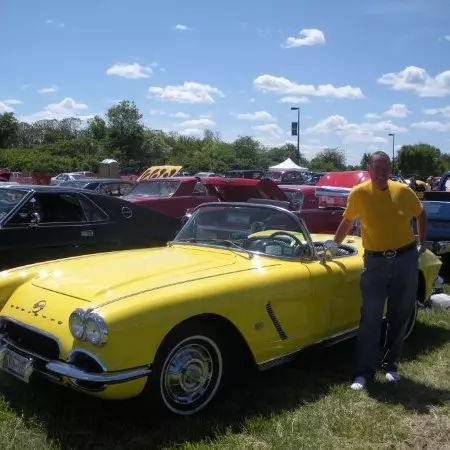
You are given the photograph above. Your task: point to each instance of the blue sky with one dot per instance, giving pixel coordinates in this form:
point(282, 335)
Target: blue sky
point(358, 69)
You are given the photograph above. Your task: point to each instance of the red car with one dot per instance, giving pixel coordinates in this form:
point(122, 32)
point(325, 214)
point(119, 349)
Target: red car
point(344, 179)
point(321, 212)
point(175, 195)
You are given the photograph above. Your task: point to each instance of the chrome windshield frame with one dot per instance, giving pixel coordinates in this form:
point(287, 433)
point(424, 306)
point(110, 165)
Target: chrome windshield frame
point(302, 228)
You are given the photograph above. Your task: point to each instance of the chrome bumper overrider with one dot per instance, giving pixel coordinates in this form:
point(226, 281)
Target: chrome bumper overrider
point(55, 370)
point(70, 371)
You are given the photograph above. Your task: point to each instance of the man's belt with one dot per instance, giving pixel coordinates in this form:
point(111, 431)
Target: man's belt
point(392, 253)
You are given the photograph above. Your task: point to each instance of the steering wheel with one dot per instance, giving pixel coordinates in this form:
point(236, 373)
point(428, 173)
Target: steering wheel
point(284, 233)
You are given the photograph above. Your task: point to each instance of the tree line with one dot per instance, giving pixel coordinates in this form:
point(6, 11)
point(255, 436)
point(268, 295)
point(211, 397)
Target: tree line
point(73, 144)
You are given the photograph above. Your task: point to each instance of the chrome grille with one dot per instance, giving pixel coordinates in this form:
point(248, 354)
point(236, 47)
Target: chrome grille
point(29, 339)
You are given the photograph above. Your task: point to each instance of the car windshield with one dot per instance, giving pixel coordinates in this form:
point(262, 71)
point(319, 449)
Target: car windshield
point(75, 184)
point(9, 198)
point(155, 188)
point(253, 229)
point(274, 175)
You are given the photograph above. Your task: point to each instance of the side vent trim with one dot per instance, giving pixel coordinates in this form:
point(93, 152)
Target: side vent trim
point(276, 323)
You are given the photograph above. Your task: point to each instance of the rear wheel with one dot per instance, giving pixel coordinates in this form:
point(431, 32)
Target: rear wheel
point(189, 371)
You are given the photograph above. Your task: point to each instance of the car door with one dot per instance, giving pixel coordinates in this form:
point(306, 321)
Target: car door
point(335, 284)
point(312, 301)
point(61, 231)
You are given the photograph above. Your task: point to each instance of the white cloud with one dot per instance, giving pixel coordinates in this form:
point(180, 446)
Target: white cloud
point(258, 115)
point(306, 37)
point(271, 128)
point(54, 23)
point(438, 111)
point(180, 115)
point(4, 108)
point(197, 123)
point(194, 132)
point(442, 127)
point(396, 110)
point(12, 102)
point(352, 132)
point(189, 92)
point(182, 27)
point(131, 71)
point(445, 38)
point(294, 100)
point(281, 85)
point(7, 105)
point(68, 107)
point(416, 79)
point(157, 112)
point(48, 90)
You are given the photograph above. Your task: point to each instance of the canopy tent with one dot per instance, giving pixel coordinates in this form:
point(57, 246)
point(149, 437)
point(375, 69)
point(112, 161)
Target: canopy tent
point(288, 165)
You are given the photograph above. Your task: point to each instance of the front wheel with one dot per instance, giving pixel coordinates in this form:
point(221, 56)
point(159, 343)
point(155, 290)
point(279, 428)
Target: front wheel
point(189, 371)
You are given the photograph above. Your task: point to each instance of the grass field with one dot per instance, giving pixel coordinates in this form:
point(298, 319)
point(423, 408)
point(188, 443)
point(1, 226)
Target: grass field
point(305, 404)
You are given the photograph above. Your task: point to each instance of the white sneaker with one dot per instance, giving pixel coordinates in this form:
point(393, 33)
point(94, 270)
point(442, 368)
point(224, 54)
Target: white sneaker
point(358, 383)
point(392, 377)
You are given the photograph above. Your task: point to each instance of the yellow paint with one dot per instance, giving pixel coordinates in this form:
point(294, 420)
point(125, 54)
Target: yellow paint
point(159, 172)
point(143, 294)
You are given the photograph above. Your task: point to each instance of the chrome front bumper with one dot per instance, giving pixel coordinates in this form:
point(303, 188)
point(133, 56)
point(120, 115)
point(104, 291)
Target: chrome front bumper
point(55, 370)
point(74, 373)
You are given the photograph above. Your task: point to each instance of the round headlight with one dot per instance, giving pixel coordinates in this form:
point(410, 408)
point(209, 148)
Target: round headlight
point(76, 324)
point(96, 330)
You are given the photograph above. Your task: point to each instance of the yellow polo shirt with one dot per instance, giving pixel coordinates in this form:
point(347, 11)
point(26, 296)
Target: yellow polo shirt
point(384, 216)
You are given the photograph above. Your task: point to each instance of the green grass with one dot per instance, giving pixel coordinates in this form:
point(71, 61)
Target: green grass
point(305, 404)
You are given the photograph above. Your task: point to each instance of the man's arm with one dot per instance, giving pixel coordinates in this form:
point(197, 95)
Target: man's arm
point(343, 229)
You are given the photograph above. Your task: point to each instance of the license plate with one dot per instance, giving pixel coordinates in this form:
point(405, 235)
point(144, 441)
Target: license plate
point(17, 365)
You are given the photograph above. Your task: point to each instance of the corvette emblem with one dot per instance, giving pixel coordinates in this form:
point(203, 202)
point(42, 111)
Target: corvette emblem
point(38, 306)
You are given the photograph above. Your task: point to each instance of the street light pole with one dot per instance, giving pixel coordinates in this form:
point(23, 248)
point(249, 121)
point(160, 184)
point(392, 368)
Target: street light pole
point(393, 148)
point(296, 108)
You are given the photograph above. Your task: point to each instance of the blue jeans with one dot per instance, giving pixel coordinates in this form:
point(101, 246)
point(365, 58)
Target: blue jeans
point(396, 280)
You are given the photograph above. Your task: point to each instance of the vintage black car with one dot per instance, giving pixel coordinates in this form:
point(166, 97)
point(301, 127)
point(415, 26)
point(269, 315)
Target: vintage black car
point(106, 186)
point(39, 223)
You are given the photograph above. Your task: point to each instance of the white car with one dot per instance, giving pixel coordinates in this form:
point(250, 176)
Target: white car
point(70, 176)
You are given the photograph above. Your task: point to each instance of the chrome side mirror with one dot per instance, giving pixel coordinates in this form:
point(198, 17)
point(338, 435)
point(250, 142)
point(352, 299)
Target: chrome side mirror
point(35, 219)
point(329, 248)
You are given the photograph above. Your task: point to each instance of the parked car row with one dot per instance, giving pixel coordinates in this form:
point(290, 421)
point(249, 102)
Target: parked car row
point(173, 288)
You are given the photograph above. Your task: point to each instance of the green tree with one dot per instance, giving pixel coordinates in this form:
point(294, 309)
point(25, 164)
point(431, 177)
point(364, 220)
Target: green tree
point(365, 161)
point(247, 151)
point(277, 155)
point(9, 126)
point(97, 128)
point(328, 160)
point(420, 159)
point(125, 132)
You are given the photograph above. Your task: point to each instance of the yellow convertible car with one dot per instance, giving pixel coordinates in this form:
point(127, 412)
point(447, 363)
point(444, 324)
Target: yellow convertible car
point(240, 279)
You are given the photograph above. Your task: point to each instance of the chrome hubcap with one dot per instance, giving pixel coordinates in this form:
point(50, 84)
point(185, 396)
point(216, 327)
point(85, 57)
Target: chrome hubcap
point(188, 374)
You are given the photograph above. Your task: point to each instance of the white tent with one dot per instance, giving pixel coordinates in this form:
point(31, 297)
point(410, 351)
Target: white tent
point(288, 165)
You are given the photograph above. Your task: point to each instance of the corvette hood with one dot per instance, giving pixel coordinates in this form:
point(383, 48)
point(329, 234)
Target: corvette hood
point(112, 275)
